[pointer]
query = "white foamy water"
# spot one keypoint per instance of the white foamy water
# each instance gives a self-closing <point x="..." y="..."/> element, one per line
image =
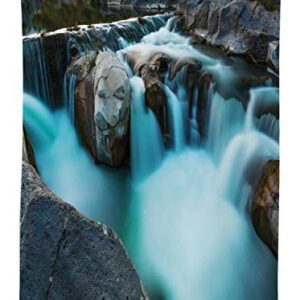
<point x="188" y="229"/>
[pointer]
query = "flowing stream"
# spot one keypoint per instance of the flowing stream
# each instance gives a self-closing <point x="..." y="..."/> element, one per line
<point x="182" y="210"/>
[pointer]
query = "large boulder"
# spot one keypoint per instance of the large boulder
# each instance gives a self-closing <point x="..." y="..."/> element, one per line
<point x="102" y="106"/>
<point x="240" y="27"/>
<point x="265" y="205"/>
<point x="66" y="256"/>
<point x="112" y="109"/>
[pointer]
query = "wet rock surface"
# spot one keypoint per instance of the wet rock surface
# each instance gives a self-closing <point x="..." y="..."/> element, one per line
<point x="27" y="151"/>
<point x="66" y="256"/>
<point x="102" y="106"/>
<point x="155" y="96"/>
<point x="265" y="205"/>
<point x="240" y="27"/>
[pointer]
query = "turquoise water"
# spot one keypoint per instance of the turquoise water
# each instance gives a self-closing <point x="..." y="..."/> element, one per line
<point x="181" y="210"/>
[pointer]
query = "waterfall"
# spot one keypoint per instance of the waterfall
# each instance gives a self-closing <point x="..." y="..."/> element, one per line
<point x="226" y="119"/>
<point x="146" y="140"/>
<point x="175" y="120"/>
<point x="36" y="71"/>
<point x="69" y="95"/>
<point x="261" y="99"/>
<point x="68" y="170"/>
<point x="187" y="224"/>
<point x="38" y="121"/>
<point x="243" y="159"/>
<point x="46" y="57"/>
<point x="193" y="239"/>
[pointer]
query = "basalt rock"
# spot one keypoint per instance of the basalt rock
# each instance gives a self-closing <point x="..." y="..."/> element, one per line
<point x="239" y="27"/>
<point x="102" y="106"/>
<point x="265" y="205"/>
<point x="66" y="256"/>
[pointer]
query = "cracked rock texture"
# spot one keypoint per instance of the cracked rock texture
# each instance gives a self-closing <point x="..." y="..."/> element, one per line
<point x="66" y="256"/>
<point x="102" y="106"/>
<point x="240" y="27"/>
<point x="265" y="205"/>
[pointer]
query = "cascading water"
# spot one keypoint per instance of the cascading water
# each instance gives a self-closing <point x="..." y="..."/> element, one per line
<point x="69" y="95"/>
<point x="68" y="170"/>
<point x="187" y="226"/>
<point x="175" y="120"/>
<point x="192" y="233"/>
<point x="54" y="49"/>
<point x="146" y="146"/>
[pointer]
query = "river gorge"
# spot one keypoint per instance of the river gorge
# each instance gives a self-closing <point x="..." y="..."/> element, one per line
<point x="148" y="127"/>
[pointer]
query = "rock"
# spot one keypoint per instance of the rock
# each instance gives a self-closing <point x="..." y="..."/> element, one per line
<point x="265" y="205"/>
<point x="84" y="100"/>
<point x="102" y="106"/>
<point x="273" y="55"/>
<point x="27" y="151"/>
<point x="112" y="109"/>
<point x="152" y="74"/>
<point x="206" y="86"/>
<point x="66" y="256"/>
<point x="239" y="27"/>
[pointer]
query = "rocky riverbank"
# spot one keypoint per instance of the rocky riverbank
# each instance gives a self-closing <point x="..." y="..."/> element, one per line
<point x="66" y="256"/>
<point x="239" y="27"/>
<point x="88" y="70"/>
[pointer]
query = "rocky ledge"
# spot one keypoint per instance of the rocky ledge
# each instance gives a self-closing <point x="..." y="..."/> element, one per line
<point x="239" y="27"/>
<point x="265" y="205"/>
<point x="66" y="256"/>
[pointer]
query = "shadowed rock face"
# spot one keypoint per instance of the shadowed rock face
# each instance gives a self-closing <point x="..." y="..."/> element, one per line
<point x="66" y="256"/>
<point x="102" y="106"/>
<point x="265" y="205"/>
<point x="238" y="26"/>
<point x="27" y="151"/>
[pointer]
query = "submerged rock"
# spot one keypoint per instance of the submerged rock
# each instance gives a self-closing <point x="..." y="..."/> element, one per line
<point x="66" y="256"/>
<point x="102" y="106"/>
<point x="238" y="26"/>
<point x="265" y="205"/>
